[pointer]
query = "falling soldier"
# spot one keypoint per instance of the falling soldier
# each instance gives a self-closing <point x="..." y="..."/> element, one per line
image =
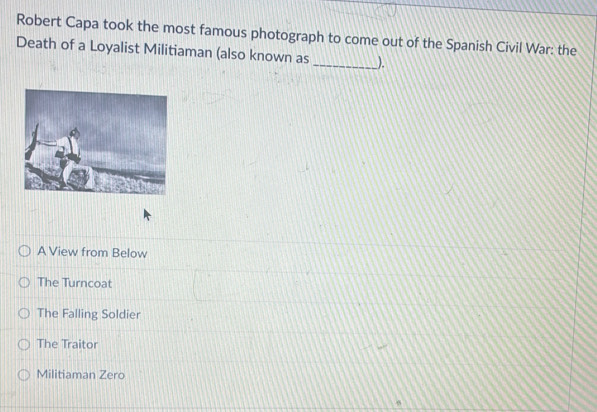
<point x="69" y="153"/>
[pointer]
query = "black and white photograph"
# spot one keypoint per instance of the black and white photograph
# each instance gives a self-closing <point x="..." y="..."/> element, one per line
<point x="95" y="142"/>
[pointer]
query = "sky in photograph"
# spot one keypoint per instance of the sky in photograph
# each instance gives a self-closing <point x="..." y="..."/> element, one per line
<point x="118" y="131"/>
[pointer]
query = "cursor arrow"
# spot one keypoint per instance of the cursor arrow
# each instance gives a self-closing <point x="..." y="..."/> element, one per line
<point x="146" y="214"/>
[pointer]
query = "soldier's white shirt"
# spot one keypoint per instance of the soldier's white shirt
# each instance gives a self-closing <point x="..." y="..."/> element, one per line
<point x="63" y="143"/>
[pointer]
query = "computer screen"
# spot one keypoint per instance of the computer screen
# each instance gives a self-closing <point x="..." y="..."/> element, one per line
<point x="298" y="205"/>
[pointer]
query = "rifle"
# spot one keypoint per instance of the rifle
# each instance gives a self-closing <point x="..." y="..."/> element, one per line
<point x="31" y="147"/>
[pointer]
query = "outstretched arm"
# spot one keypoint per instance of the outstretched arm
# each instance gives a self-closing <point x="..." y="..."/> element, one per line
<point x="47" y="142"/>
